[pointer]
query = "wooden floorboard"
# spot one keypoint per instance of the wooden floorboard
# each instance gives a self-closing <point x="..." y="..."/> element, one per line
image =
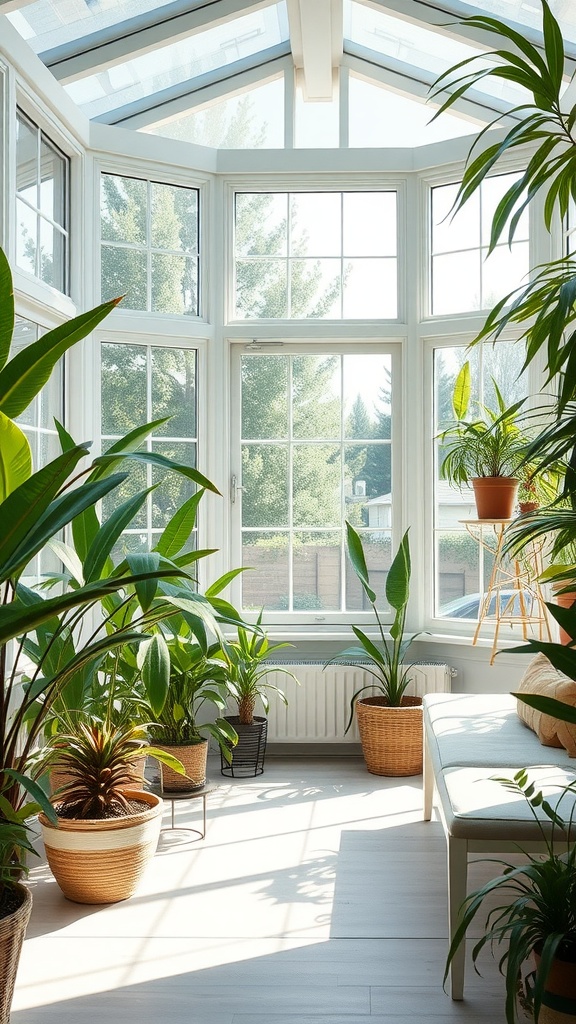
<point x="317" y="897"/>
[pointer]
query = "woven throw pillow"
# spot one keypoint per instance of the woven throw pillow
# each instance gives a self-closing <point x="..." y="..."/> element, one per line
<point x="542" y="678"/>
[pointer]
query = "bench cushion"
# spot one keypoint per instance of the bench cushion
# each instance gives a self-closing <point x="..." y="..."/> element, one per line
<point x="481" y="729"/>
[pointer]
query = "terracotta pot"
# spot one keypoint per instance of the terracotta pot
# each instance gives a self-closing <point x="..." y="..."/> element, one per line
<point x="564" y="601"/>
<point x="102" y="861"/>
<point x="12" y="931"/>
<point x="559" y="1001"/>
<point x="495" y="496"/>
<point x="194" y="757"/>
<point x="391" y="737"/>
<point x="528" y="506"/>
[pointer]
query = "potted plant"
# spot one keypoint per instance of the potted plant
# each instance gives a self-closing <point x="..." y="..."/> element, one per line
<point x="390" y="723"/>
<point x="486" y="450"/>
<point x="107" y="827"/>
<point x="247" y="678"/>
<point x="196" y="686"/>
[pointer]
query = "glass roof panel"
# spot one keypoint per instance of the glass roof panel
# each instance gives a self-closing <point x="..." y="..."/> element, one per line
<point x="380" y="117"/>
<point x="252" y="120"/>
<point x="46" y="24"/>
<point x="529" y="13"/>
<point x="416" y="46"/>
<point x="211" y="50"/>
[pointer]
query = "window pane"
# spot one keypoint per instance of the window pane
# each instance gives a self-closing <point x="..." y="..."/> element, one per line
<point x="369" y="224"/>
<point x="265" y="482"/>
<point x="317" y="571"/>
<point x="173" y="489"/>
<point x="52" y="255"/>
<point x="253" y="120"/>
<point x="26" y="237"/>
<point x="456" y="283"/>
<point x="314" y="289"/>
<point x="124" y="272"/>
<point x="261" y="289"/>
<point x="316" y="388"/>
<point x="267" y="585"/>
<point x="315" y="221"/>
<point x="52" y="184"/>
<point x="173" y="284"/>
<point x="123" y="209"/>
<point x="174" y="391"/>
<point x="265" y="396"/>
<point x="380" y="117"/>
<point x="123" y="388"/>
<point x="261" y="224"/>
<point x="370" y="289"/>
<point x="503" y="271"/>
<point x="174" y="218"/>
<point x="452" y="232"/>
<point x="316" y="491"/>
<point x="27" y="137"/>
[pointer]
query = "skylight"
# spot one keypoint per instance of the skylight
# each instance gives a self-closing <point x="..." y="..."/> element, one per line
<point x="50" y="23"/>
<point x="528" y="13"/>
<point x="180" y="62"/>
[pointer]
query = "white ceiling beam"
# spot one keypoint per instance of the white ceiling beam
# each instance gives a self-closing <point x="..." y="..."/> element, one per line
<point x="316" y="37"/>
<point x="146" y="110"/>
<point x="136" y="36"/>
<point x="204" y="95"/>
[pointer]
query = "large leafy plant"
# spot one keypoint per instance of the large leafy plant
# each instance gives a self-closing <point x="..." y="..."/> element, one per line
<point x="384" y="659"/>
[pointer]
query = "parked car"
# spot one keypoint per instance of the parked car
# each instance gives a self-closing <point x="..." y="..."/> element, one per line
<point x="468" y="606"/>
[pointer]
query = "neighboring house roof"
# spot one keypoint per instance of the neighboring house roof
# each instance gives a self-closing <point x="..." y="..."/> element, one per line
<point x="445" y="495"/>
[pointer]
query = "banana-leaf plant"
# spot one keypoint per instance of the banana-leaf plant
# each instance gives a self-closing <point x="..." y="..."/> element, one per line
<point x="382" y="659"/>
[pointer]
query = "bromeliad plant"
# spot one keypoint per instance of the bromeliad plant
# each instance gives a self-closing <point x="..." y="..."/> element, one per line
<point x="384" y="659"/>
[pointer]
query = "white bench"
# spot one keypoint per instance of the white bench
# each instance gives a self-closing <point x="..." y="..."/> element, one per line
<point x="469" y="739"/>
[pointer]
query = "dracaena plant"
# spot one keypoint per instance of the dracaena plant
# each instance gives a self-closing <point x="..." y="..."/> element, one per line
<point x="246" y="671"/>
<point x="384" y="657"/>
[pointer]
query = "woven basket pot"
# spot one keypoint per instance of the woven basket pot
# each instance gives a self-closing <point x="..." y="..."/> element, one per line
<point x="391" y="737"/>
<point x="559" y="1000"/>
<point x="103" y="861"/>
<point x="12" y="931"/>
<point x="193" y="756"/>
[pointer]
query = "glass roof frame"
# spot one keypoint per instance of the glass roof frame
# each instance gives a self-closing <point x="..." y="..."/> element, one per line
<point x="116" y="45"/>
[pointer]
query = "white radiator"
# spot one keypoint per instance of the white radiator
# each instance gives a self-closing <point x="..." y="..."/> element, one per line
<point x="318" y="709"/>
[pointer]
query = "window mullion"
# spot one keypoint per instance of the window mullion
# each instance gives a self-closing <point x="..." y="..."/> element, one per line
<point x="290" y="484"/>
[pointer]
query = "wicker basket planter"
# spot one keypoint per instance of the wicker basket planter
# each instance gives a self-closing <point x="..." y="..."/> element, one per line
<point x="12" y="931"/>
<point x="249" y="753"/>
<point x="194" y="757"/>
<point x="103" y="861"/>
<point x="391" y="737"/>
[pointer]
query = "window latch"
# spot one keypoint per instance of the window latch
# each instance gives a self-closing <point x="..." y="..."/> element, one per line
<point x="234" y="488"/>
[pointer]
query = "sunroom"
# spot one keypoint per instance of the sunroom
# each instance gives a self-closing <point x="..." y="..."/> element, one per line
<point x="266" y="187"/>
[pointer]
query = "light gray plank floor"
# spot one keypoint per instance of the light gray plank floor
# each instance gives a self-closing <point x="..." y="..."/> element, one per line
<point x="317" y="897"/>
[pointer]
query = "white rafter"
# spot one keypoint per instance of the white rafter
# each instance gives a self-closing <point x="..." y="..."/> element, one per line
<point x="316" y="38"/>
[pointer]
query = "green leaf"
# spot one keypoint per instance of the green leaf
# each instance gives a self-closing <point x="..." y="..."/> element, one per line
<point x="549" y="706"/>
<point x="356" y="556"/>
<point x="178" y="530"/>
<point x="104" y="541"/>
<point x="130" y="442"/>
<point x="462" y="392"/>
<point x="154" y="661"/>
<point x="27" y="373"/>
<point x="6" y="309"/>
<point x="222" y="582"/>
<point x="398" y="578"/>
<point x="154" y="459"/>
<point x="15" y="456"/>
<point x="553" y="46"/>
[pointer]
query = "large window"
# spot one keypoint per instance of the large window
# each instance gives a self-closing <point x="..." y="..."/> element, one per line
<point x="42" y="174"/>
<point x="462" y="566"/>
<point x="139" y="384"/>
<point x="150" y="244"/>
<point x="316" y="255"/>
<point x="463" y="276"/>
<point x="316" y="450"/>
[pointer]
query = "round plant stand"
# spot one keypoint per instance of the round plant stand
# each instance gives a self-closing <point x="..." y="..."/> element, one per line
<point x="173" y="797"/>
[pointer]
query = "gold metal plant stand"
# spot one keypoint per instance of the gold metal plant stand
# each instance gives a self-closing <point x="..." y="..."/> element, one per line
<point x="525" y="606"/>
